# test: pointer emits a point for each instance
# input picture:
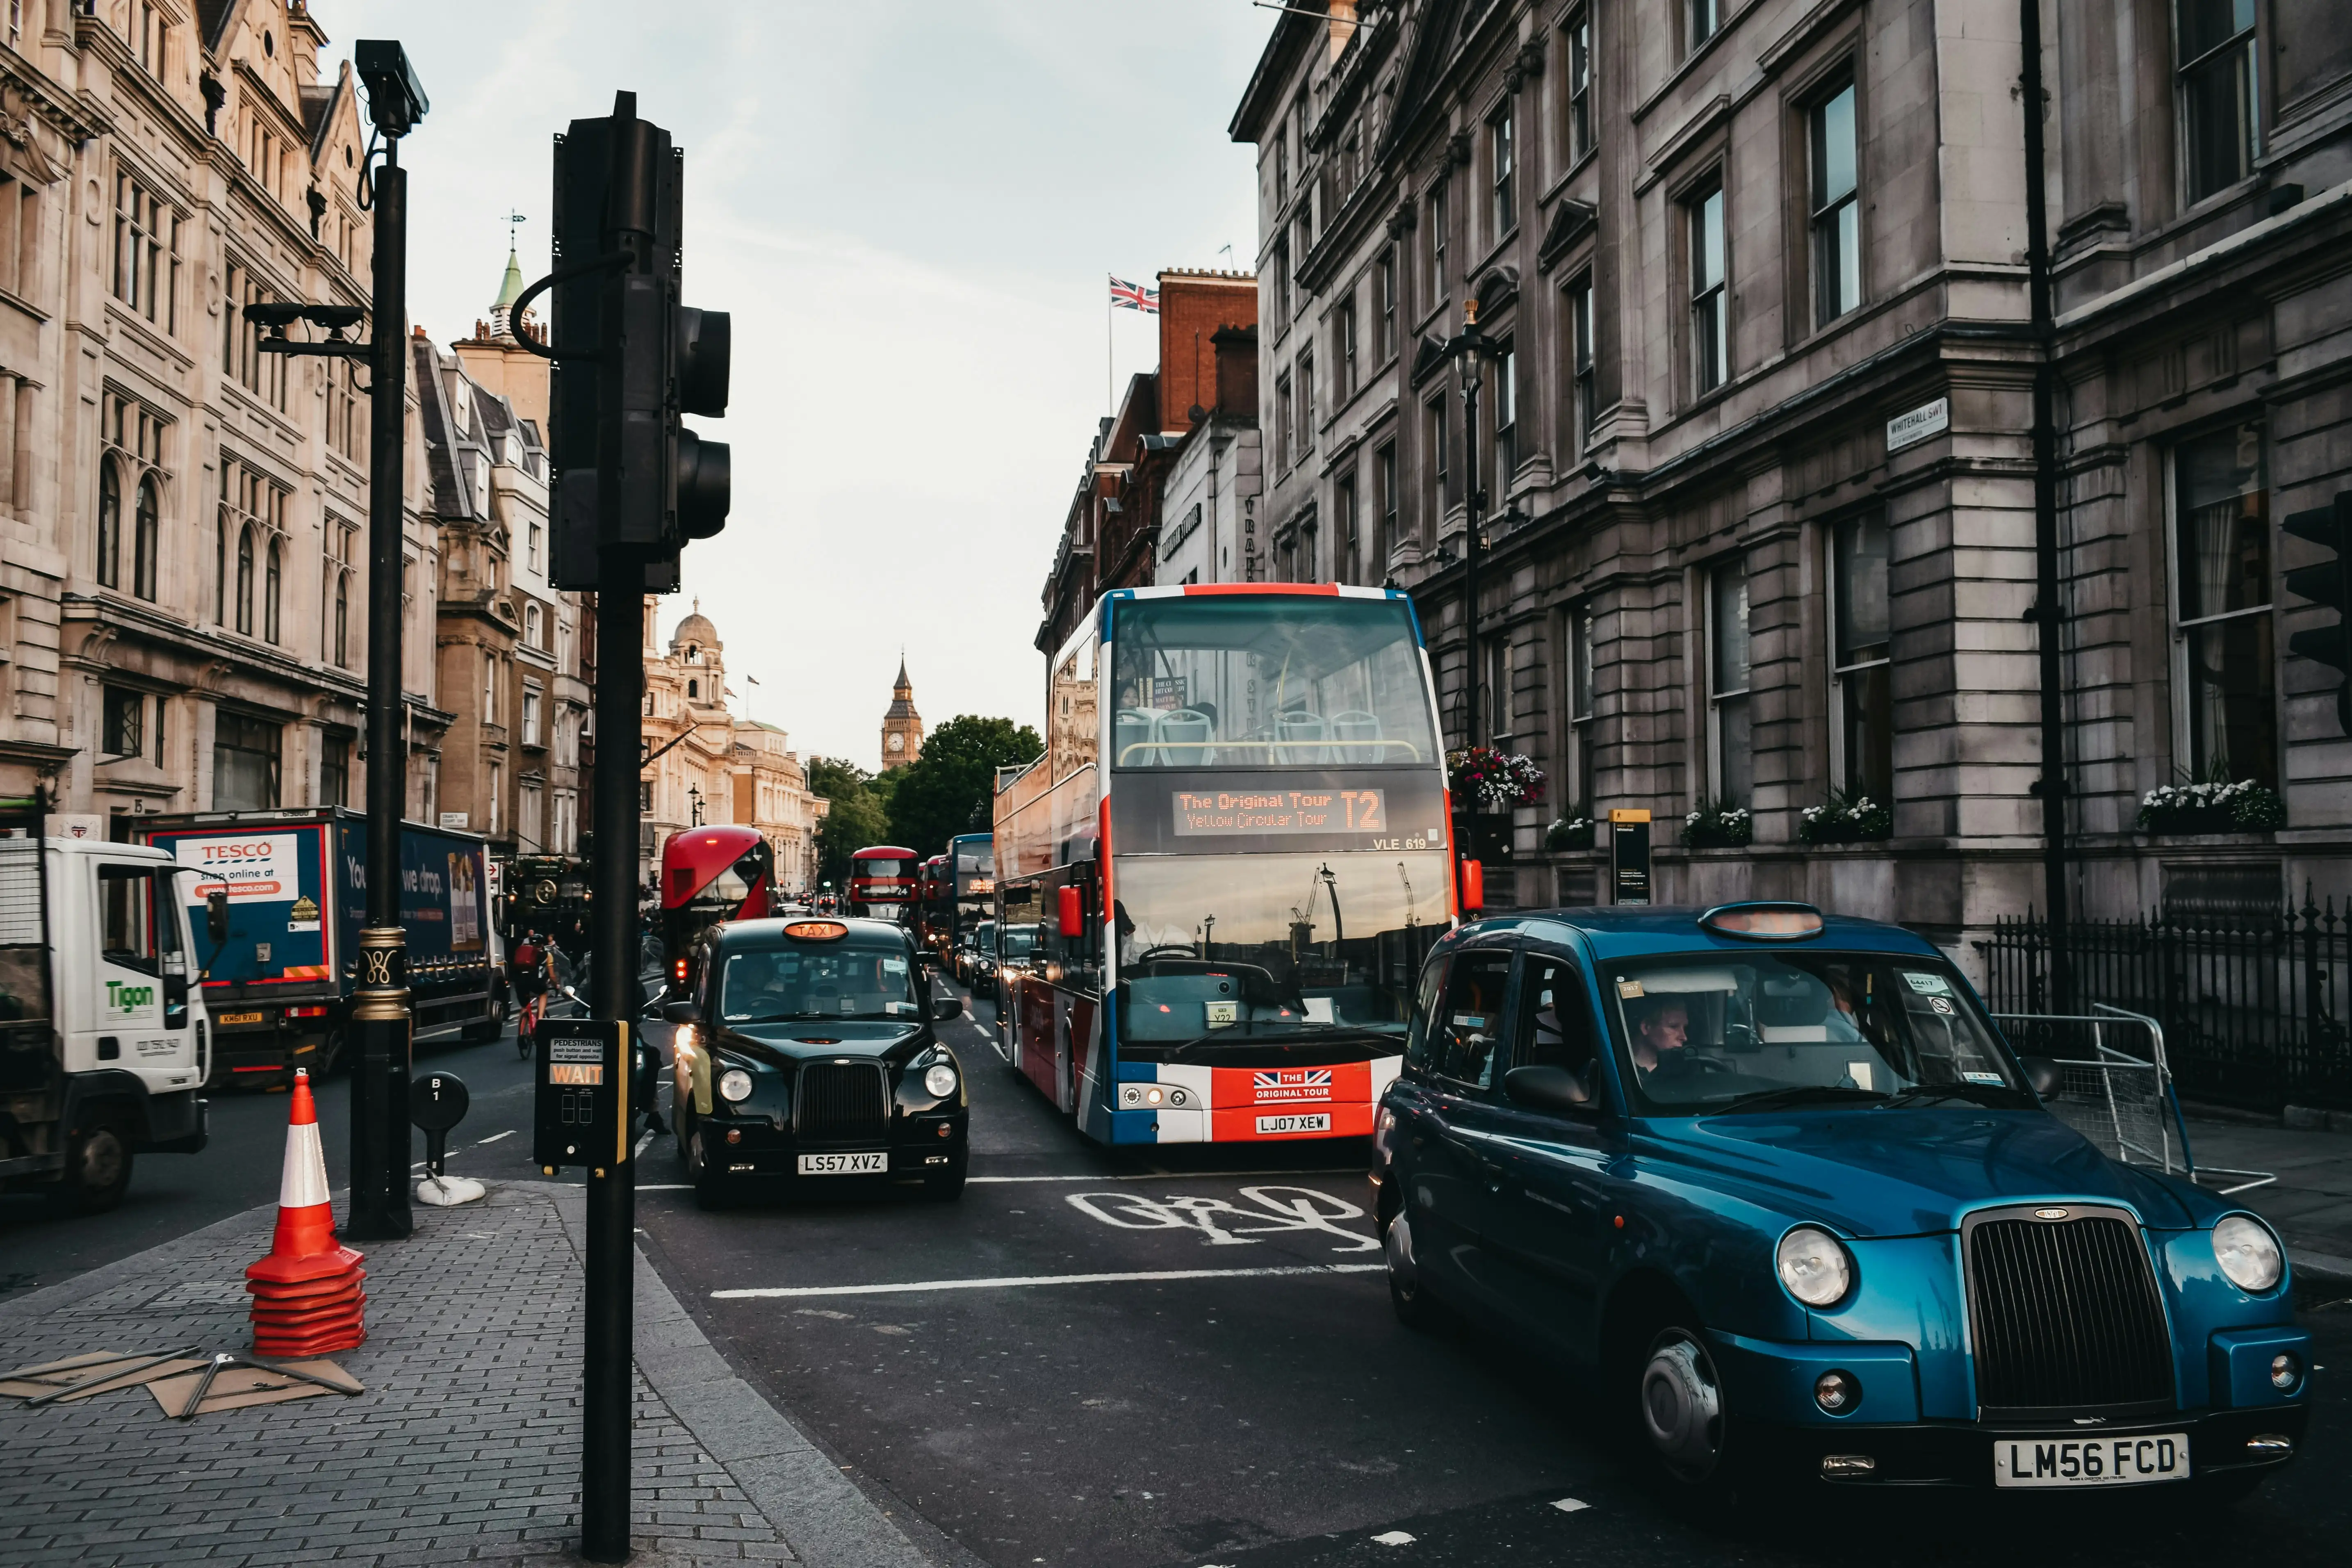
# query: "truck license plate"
(1318, 1122)
(225, 1019)
(2141, 1459)
(874, 1165)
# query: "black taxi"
(806, 1060)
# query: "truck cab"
(103, 1033)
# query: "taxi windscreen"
(767, 985)
(1732, 1032)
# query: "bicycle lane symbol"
(1221, 1223)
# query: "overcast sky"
(910, 206)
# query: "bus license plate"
(1318, 1122)
(875, 1165)
(225, 1019)
(2138, 1460)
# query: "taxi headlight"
(940, 1080)
(1813, 1267)
(735, 1084)
(2248, 1253)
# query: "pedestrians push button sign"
(582, 1095)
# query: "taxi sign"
(1763, 921)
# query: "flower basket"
(1483, 779)
(2241, 806)
(1722, 826)
(1574, 831)
(1845, 819)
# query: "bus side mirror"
(1473, 888)
(1070, 912)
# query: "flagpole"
(1109, 408)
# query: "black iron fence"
(2252, 1005)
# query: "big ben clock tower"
(902, 727)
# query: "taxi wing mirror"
(2043, 1075)
(946, 1007)
(681, 1013)
(1548, 1089)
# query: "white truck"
(103, 1034)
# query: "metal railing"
(2253, 1006)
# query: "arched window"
(269, 593)
(693, 690)
(110, 526)
(244, 580)
(220, 568)
(146, 526)
(343, 619)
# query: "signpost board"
(1629, 856)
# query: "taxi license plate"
(1318, 1122)
(225, 1019)
(874, 1165)
(2141, 1459)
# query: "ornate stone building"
(706, 765)
(1755, 423)
(182, 611)
(902, 727)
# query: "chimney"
(1343, 25)
(303, 37)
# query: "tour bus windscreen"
(1278, 680)
(1305, 945)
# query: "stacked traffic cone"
(306, 1298)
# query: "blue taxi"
(1776, 1183)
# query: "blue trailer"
(279, 985)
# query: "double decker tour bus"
(1234, 857)
(971, 871)
(934, 905)
(882, 882)
(709, 875)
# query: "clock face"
(896, 742)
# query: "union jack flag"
(1292, 1077)
(1134, 296)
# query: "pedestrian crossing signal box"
(582, 1115)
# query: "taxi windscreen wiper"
(1974, 1093)
(1799, 1094)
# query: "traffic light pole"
(380, 1014)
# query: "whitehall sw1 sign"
(1928, 419)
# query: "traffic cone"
(306, 1298)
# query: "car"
(805, 1060)
(1776, 1185)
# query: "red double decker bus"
(882, 882)
(709, 875)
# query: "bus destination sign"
(1260, 812)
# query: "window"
(1730, 735)
(1384, 279)
(338, 541)
(1579, 86)
(490, 687)
(273, 575)
(1709, 330)
(1862, 673)
(2223, 564)
(1282, 421)
(1308, 571)
(128, 927)
(244, 762)
(334, 770)
(20, 238)
(131, 460)
(1584, 729)
(122, 716)
(1703, 17)
(1555, 1025)
(645, 797)
(1507, 209)
(250, 504)
(533, 625)
(1344, 338)
(1470, 1025)
(534, 555)
(145, 531)
(1348, 564)
(110, 526)
(1437, 219)
(146, 31)
(244, 580)
(527, 817)
(1435, 494)
(1307, 403)
(264, 375)
(1282, 162)
(1495, 692)
(1506, 418)
(146, 252)
(529, 717)
(497, 792)
(1384, 537)
(2215, 77)
(1585, 387)
(1837, 214)
(1281, 285)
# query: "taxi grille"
(840, 1101)
(2065, 1316)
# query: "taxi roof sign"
(816, 930)
(1764, 922)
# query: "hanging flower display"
(2241, 806)
(1487, 780)
(1721, 825)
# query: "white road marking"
(496, 1136)
(1018, 1282)
(1164, 1176)
(1224, 1224)
(1392, 1538)
(1571, 1505)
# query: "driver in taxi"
(1660, 1035)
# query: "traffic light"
(630, 361)
(2327, 583)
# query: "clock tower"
(902, 727)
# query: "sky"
(911, 207)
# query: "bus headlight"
(735, 1085)
(940, 1080)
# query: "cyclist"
(530, 973)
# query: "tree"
(853, 819)
(952, 788)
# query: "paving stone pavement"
(465, 1447)
(2311, 1202)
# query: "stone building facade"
(707, 765)
(1755, 421)
(183, 604)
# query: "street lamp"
(694, 797)
(1469, 347)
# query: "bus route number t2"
(1364, 809)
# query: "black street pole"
(2048, 617)
(380, 1005)
(1470, 343)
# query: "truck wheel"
(98, 1170)
(484, 1030)
(330, 1053)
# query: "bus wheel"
(98, 1170)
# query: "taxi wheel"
(1408, 1295)
(1681, 1413)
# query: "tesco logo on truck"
(260, 867)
